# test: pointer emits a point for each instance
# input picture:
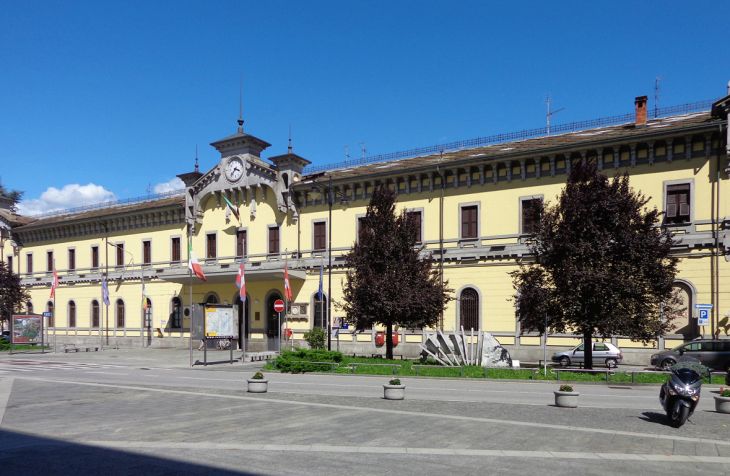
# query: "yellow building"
(471, 198)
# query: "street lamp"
(327, 188)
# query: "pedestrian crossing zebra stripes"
(27, 366)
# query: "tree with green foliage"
(13, 196)
(600, 265)
(390, 280)
(12, 295)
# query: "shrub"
(566, 388)
(395, 381)
(306, 360)
(258, 376)
(315, 338)
(725, 392)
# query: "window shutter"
(683, 204)
(671, 205)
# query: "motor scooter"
(680, 394)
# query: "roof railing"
(510, 137)
(110, 203)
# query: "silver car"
(604, 353)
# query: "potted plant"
(257, 383)
(394, 390)
(722, 401)
(566, 397)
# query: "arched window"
(29, 307)
(684, 323)
(147, 312)
(176, 314)
(49, 308)
(469, 309)
(120, 313)
(94, 313)
(71, 314)
(320, 311)
(212, 298)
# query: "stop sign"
(279, 305)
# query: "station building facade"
(472, 201)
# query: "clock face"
(234, 169)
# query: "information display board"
(220, 322)
(27, 329)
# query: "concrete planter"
(566, 399)
(257, 385)
(394, 392)
(722, 404)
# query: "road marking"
(207, 446)
(350, 408)
(6, 385)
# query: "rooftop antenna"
(197, 168)
(363, 150)
(347, 152)
(657, 87)
(550, 113)
(240, 105)
(290, 147)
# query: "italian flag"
(193, 264)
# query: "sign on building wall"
(220, 322)
(27, 329)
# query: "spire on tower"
(290, 147)
(197, 168)
(240, 105)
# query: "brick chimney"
(640, 108)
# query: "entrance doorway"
(272, 317)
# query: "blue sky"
(107, 99)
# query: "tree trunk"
(389, 341)
(588, 350)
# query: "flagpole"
(106, 280)
(321, 294)
(190, 286)
(144, 302)
(55, 349)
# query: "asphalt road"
(148, 413)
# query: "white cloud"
(70, 196)
(169, 186)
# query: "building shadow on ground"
(32, 455)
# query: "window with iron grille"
(146, 252)
(274, 240)
(71, 314)
(10, 264)
(176, 313)
(94, 257)
(175, 250)
(320, 236)
(677, 204)
(530, 215)
(211, 246)
(71, 260)
(469, 309)
(94, 313)
(241, 244)
(469, 222)
(29, 263)
(49, 308)
(415, 217)
(49, 261)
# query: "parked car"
(604, 353)
(714, 354)
(5, 336)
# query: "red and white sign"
(279, 305)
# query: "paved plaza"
(148, 412)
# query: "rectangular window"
(10, 263)
(95, 257)
(146, 252)
(175, 250)
(29, 263)
(415, 217)
(360, 227)
(241, 244)
(677, 204)
(211, 247)
(49, 261)
(274, 240)
(120, 254)
(320, 236)
(530, 215)
(469, 222)
(71, 260)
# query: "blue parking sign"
(704, 317)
